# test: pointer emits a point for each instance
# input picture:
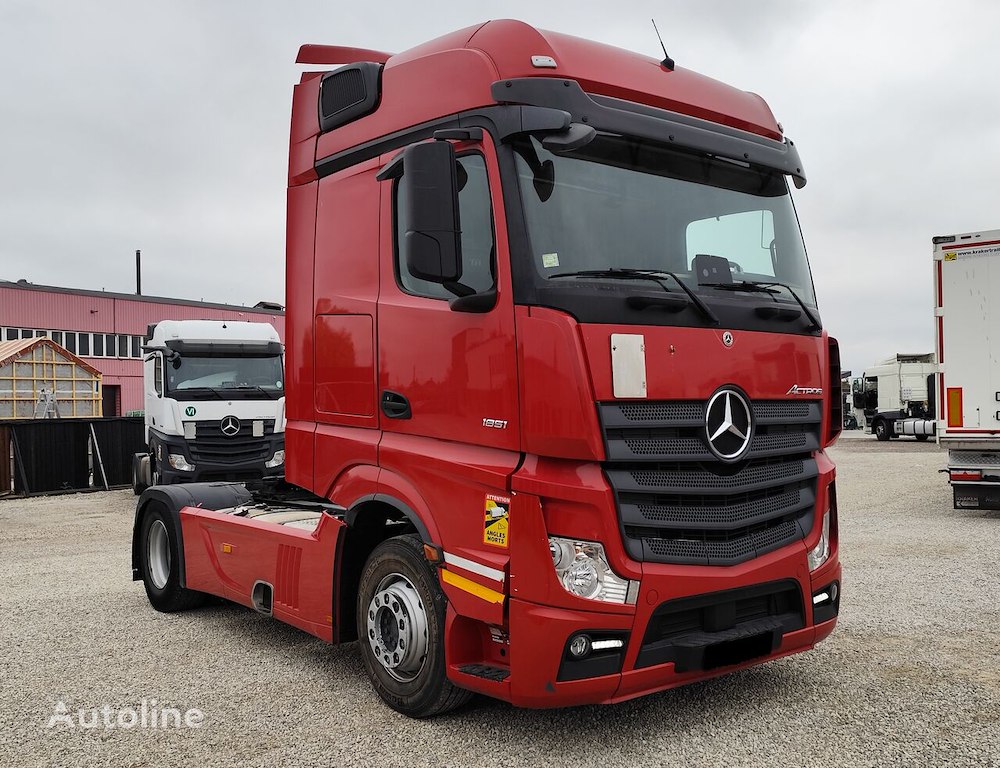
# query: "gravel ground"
(911, 676)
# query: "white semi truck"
(214, 403)
(897, 397)
(967, 309)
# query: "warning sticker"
(496, 523)
(550, 260)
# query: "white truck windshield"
(187, 372)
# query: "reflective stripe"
(473, 567)
(487, 594)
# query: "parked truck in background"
(214, 397)
(558, 391)
(967, 315)
(896, 397)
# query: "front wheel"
(881, 430)
(160, 553)
(923, 438)
(400, 614)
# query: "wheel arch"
(370, 521)
(174, 498)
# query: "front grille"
(211, 446)
(678, 503)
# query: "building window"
(70, 342)
(136, 341)
(57, 337)
(98, 345)
(83, 341)
(11, 334)
(27, 333)
(109, 345)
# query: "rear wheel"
(400, 615)
(159, 549)
(881, 429)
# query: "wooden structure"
(39, 378)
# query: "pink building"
(107, 329)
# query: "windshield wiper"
(766, 286)
(269, 393)
(196, 391)
(653, 275)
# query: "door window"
(476, 220)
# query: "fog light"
(277, 460)
(177, 461)
(579, 646)
(610, 644)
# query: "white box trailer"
(967, 309)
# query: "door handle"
(395, 405)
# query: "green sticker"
(190, 411)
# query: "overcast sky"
(164, 126)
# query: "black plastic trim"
(351, 517)
(598, 663)
(502, 121)
(368, 87)
(684, 631)
(225, 349)
(830, 610)
(633, 119)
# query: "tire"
(138, 483)
(881, 430)
(400, 615)
(159, 553)
(922, 438)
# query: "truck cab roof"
(471, 60)
(209, 331)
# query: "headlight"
(277, 460)
(177, 461)
(821, 552)
(583, 570)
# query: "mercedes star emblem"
(230, 426)
(727, 339)
(728, 424)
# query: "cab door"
(456, 370)
(447, 379)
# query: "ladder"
(46, 407)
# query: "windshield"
(226, 373)
(628, 203)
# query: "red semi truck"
(558, 395)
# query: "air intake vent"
(349, 93)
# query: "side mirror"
(432, 242)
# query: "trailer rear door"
(967, 276)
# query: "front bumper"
(226, 469)
(539, 636)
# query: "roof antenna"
(667, 61)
